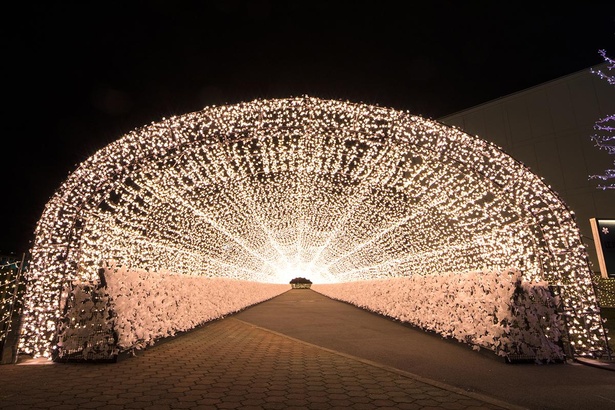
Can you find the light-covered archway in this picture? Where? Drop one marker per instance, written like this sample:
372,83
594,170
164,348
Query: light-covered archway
272,189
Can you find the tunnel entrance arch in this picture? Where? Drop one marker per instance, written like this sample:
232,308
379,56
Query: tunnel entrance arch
271,189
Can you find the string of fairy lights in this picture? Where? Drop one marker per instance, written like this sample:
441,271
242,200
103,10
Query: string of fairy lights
12,290
274,189
604,136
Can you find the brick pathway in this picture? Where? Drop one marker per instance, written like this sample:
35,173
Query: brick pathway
228,364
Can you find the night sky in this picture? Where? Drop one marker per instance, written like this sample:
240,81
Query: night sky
81,74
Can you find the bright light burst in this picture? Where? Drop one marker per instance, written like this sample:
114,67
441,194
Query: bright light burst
333,191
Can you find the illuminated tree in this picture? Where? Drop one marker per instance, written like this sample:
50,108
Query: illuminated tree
604,138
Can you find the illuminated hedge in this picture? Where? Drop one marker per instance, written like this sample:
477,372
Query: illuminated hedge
491,309
136,308
272,189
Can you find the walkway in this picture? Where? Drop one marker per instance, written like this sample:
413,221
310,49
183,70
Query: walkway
303,350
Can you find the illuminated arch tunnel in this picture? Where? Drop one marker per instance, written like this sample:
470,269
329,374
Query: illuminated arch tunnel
268,190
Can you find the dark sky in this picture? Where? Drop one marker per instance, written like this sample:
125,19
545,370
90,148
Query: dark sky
79,75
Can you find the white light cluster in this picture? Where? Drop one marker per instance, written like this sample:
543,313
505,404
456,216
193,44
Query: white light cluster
11,293
604,137
272,189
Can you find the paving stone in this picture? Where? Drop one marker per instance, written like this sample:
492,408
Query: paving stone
427,402
361,400
228,405
452,406
94,405
136,405
208,401
409,406
338,396
185,405
383,403
274,406
364,406
340,403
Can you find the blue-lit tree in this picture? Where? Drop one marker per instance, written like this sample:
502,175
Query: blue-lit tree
604,137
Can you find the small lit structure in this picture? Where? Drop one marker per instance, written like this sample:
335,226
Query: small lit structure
300,283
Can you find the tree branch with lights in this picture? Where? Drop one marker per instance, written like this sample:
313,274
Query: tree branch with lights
604,138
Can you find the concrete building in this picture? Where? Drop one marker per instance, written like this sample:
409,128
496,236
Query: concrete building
548,128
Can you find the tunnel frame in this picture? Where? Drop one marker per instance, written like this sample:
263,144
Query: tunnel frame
559,256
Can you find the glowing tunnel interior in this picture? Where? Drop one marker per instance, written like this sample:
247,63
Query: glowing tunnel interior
273,189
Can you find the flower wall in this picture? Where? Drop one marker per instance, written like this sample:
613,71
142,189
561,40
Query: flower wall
145,306
496,310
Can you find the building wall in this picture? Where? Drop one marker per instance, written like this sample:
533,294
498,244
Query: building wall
548,128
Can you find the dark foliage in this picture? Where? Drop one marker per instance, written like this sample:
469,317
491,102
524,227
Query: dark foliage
300,280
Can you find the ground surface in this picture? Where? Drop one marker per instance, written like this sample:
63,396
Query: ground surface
311,317
303,350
